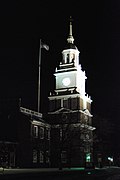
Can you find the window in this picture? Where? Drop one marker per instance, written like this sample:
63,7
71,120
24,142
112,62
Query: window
72,57
63,157
74,103
41,133
51,105
47,157
88,157
34,156
35,131
61,134
58,103
47,133
66,103
67,58
61,102
41,157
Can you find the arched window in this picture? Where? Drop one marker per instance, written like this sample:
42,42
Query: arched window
72,57
67,58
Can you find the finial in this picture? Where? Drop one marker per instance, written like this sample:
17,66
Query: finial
70,37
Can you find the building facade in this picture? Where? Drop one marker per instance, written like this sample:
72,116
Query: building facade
65,137
70,112
24,137
34,140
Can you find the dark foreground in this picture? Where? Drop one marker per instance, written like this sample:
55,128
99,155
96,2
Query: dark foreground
112,173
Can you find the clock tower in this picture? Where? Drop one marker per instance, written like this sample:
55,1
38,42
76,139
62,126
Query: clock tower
70,110
69,75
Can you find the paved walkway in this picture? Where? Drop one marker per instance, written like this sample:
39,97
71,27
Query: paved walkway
38,170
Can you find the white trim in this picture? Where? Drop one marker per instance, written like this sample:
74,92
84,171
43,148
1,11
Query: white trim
30,112
75,125
65,89
66,64
34,122
69,111
87,112
87,127
35,133
69,95
65,110
76,51
74,70
62,96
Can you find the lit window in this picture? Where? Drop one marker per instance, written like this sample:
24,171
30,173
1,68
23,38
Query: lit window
34,156
88,157
41,157
35,129
41,133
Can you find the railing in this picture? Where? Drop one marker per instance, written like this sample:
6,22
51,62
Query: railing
30,112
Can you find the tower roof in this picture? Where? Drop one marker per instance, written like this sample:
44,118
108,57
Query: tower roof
70,39
70,46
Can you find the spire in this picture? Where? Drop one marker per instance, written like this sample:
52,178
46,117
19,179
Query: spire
70,38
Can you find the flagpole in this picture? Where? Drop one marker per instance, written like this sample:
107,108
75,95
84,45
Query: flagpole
39,77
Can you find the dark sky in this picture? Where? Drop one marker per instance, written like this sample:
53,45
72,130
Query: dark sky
96,30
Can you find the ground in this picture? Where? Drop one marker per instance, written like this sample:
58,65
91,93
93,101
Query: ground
106,173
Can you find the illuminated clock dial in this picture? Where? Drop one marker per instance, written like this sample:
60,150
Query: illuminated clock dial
66,81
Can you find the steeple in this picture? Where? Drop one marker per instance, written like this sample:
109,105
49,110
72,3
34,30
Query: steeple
70,38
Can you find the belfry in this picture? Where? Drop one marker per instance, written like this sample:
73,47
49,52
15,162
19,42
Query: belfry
70,111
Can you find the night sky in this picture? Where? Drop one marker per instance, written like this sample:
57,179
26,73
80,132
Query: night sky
96,30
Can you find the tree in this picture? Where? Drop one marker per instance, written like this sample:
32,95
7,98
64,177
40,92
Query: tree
103,138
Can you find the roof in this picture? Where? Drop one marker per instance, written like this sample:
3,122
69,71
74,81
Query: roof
70,46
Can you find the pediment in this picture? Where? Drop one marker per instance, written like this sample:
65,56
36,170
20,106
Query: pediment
61,110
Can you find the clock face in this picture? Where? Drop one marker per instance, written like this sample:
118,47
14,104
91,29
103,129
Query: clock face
64,116
66,81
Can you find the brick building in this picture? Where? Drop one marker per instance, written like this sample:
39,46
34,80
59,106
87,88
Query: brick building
24,136
65,136
70,111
